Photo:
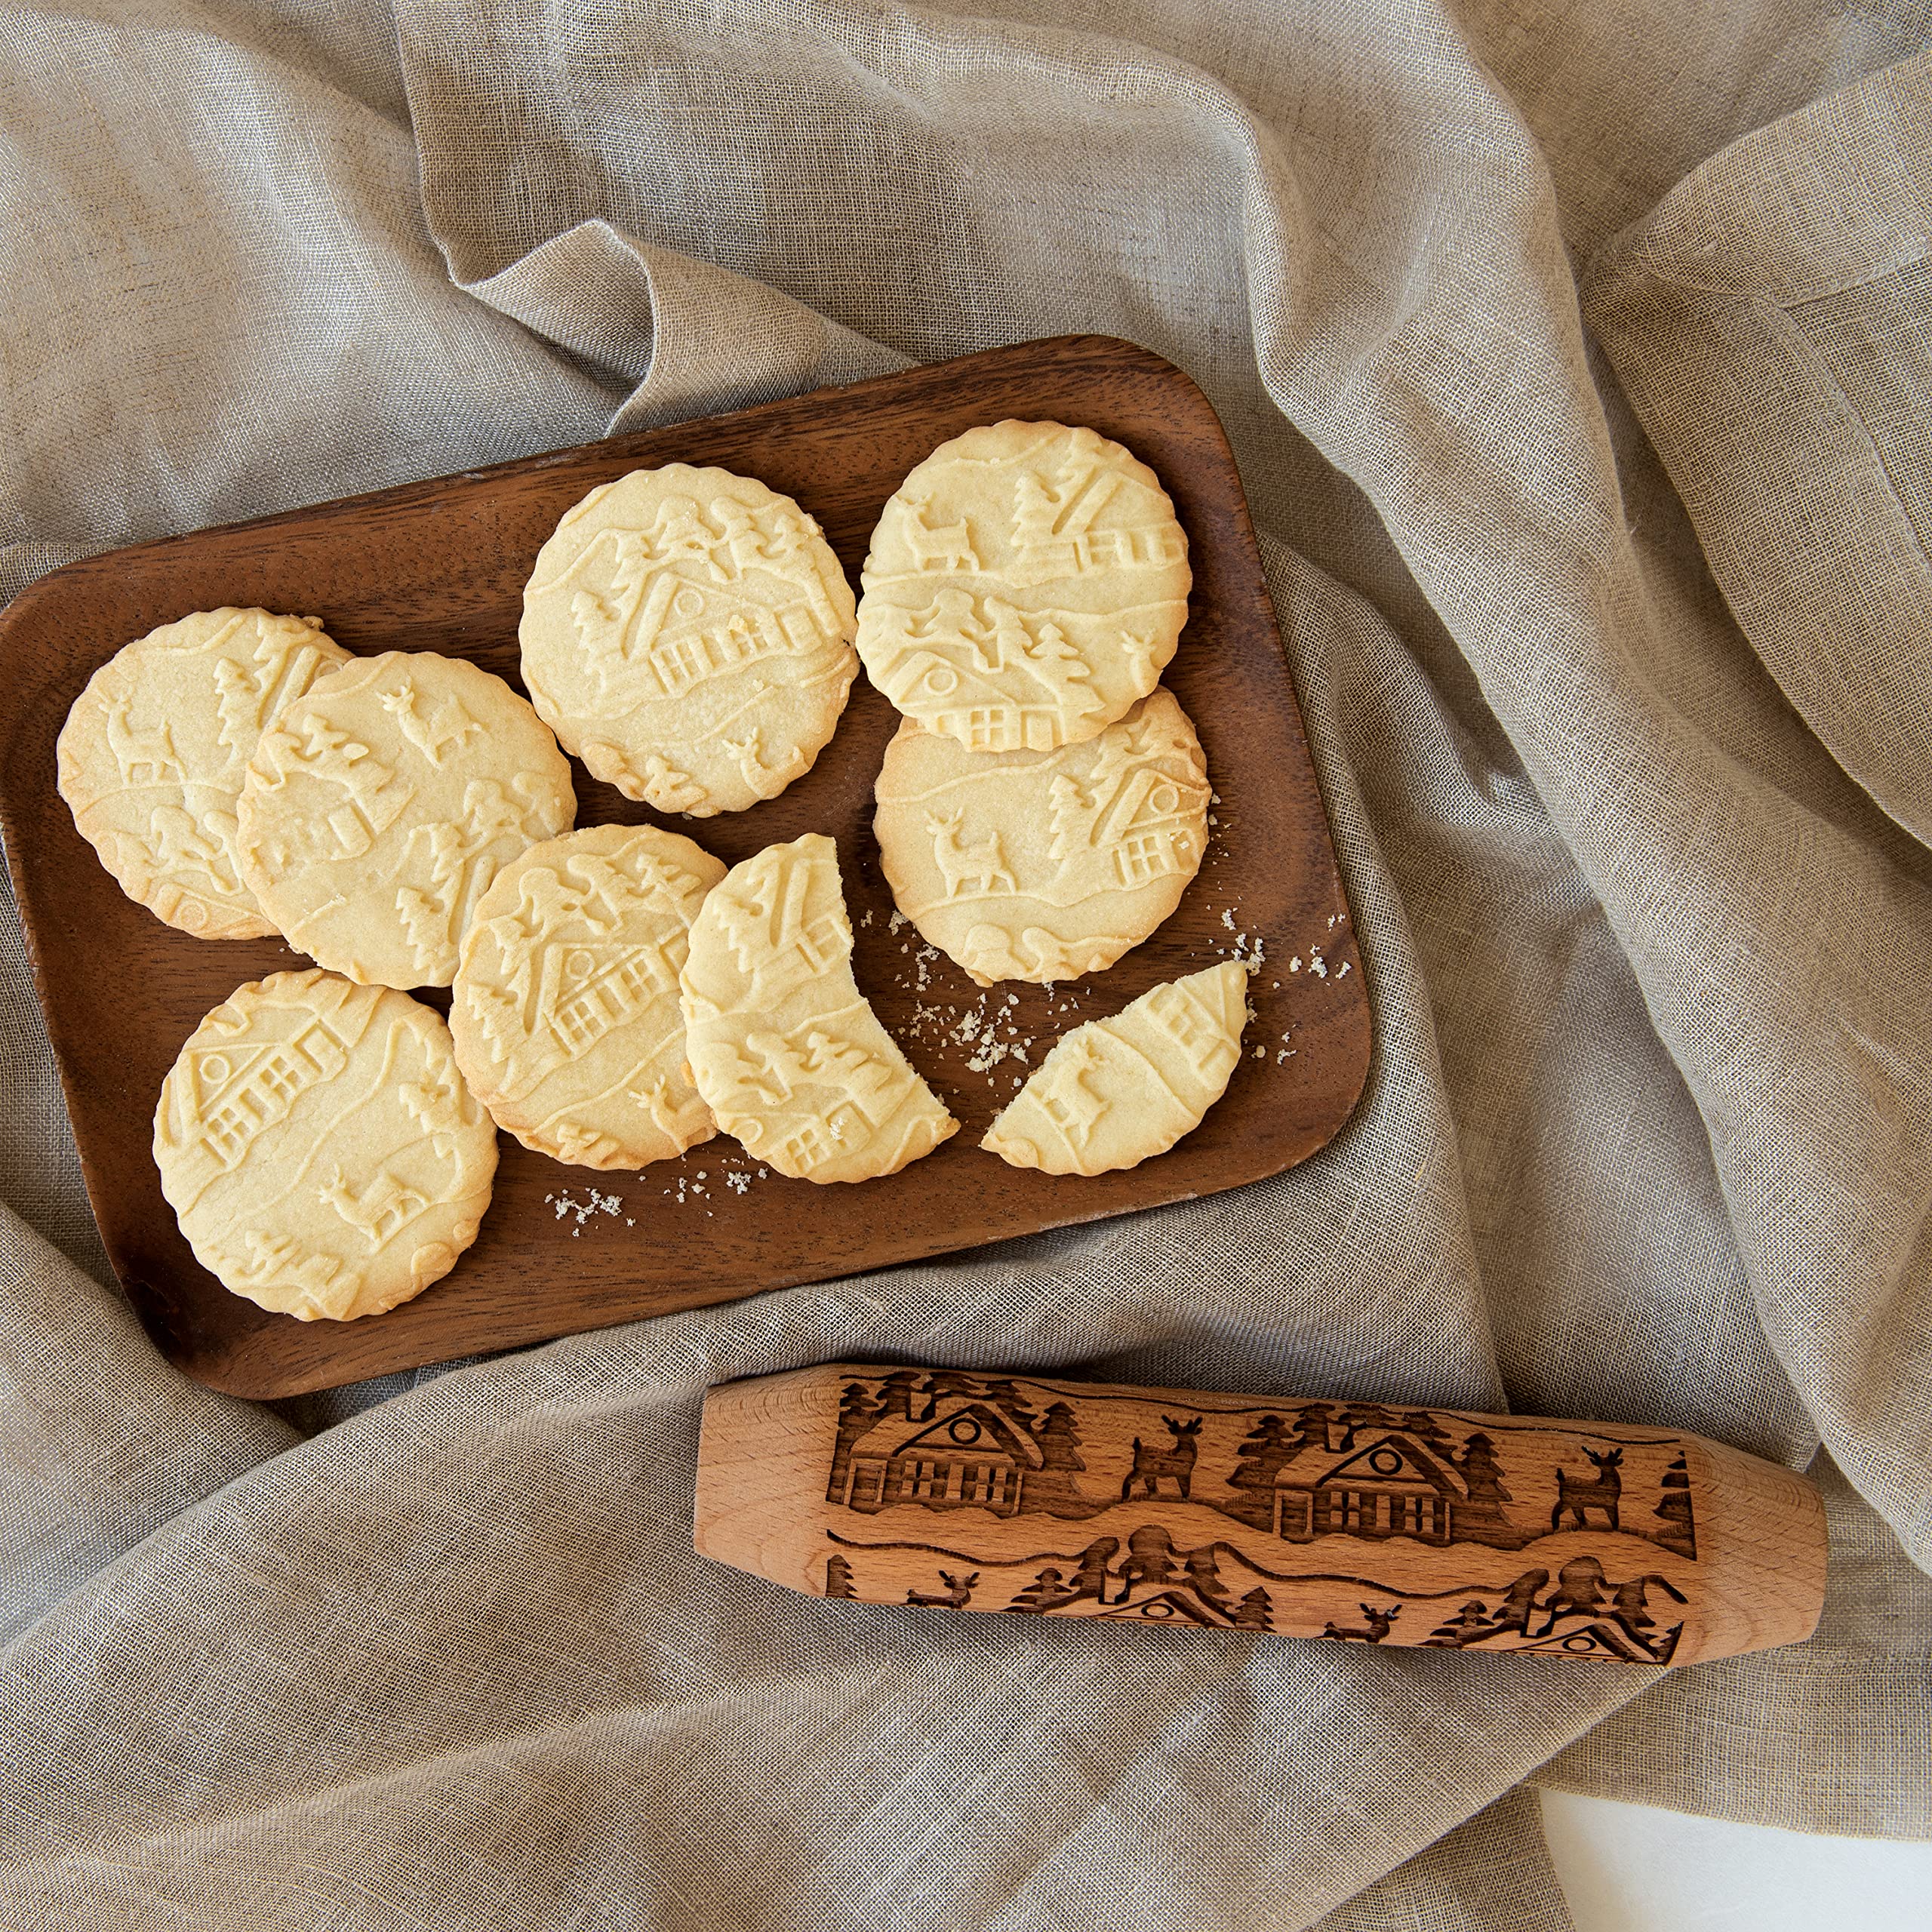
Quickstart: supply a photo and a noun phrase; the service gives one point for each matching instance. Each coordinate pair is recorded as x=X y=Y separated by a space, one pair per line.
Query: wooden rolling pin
x=1355 y=1522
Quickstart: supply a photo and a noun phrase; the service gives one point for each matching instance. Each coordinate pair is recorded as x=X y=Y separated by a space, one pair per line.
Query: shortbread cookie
x=784 y=1051
x=565 y=1009
x=1027 y=585
x=1116 y=1092
x=319 y=1148
x=1044 y=865
x=688 y=633
x=151 y=756
x=378 y=808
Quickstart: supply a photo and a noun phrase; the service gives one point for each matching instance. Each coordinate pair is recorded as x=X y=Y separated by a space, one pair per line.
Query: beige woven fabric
x=1632 y=859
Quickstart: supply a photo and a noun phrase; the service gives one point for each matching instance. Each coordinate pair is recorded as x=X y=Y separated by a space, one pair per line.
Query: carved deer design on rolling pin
x=1578 y=1497
x=1150 y=1465
x=1380 y=1623
x=957 y=1593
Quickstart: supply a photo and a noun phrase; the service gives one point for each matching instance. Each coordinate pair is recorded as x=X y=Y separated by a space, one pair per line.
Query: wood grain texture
x=1352 y=1522
x=440 y=566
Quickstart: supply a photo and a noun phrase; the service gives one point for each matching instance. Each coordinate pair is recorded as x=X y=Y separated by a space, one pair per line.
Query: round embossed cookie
x=1116 y=1092
x=783 y=1046
x=319 y=1148
x=151 y=756
x=378 y=807
x=1027 y=584
x=565 y=1009
x=688 y=633
x=1044 y=865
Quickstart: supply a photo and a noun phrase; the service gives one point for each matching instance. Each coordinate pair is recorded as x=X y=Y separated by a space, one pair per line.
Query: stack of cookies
x=617 y=995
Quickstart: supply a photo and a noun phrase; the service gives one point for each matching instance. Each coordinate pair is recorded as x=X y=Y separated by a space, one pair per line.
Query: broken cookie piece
x=1116 y=1092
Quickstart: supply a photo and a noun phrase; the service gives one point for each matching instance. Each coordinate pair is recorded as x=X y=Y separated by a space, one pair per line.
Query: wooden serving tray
x=441 y=566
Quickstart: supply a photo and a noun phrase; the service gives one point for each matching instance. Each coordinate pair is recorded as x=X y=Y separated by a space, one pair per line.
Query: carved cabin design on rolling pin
x=1342 y=1521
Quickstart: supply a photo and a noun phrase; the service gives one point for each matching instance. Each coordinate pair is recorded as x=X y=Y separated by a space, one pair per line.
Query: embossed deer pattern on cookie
x=378 y=810
x=1030 y=866
x=1271 y=1515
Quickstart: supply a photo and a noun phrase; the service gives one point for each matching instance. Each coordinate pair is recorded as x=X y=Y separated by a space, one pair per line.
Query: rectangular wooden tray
x=441 y=566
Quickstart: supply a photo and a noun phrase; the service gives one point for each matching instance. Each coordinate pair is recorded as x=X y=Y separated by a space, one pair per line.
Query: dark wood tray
x=441 y=566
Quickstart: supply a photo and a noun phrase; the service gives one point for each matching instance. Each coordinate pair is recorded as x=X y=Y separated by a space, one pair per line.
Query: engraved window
x=928 y=1481
x=982 y=1482
x=1181 y=1020
x=576 y=1026
x=817 y=944
x=680 y=661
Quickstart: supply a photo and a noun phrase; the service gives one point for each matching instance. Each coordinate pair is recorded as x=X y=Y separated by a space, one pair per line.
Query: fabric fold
x=1767 y=321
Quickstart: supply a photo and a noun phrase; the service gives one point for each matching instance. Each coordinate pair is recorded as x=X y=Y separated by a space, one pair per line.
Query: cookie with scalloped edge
x=319 y=1148
x=378 y=806
x=565 y=1010
x=151 y=757
x=688 y=633
x=1116 y=1092
x=784 y=1048
x=1027 y=586
x=1044 y=865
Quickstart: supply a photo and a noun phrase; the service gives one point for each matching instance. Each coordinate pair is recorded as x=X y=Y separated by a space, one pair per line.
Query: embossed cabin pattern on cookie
x=301 y=1067
x=228 y=1094
x=1077 y=589
x=567 y=1014
x=688 y=632
x=574 y=975
x=706 y=590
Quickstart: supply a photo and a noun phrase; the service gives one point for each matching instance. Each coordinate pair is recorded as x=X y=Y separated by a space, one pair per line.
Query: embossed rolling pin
x=1350 y=1522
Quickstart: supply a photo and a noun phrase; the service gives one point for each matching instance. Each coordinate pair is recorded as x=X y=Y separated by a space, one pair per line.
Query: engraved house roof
x=977 y=1430
x=1392 y=1461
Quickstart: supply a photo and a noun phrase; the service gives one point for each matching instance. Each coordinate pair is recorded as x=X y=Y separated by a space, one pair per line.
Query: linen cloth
x=1634 y=843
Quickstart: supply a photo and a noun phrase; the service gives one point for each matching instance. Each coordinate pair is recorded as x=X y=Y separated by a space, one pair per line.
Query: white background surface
x=1627 y=1867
